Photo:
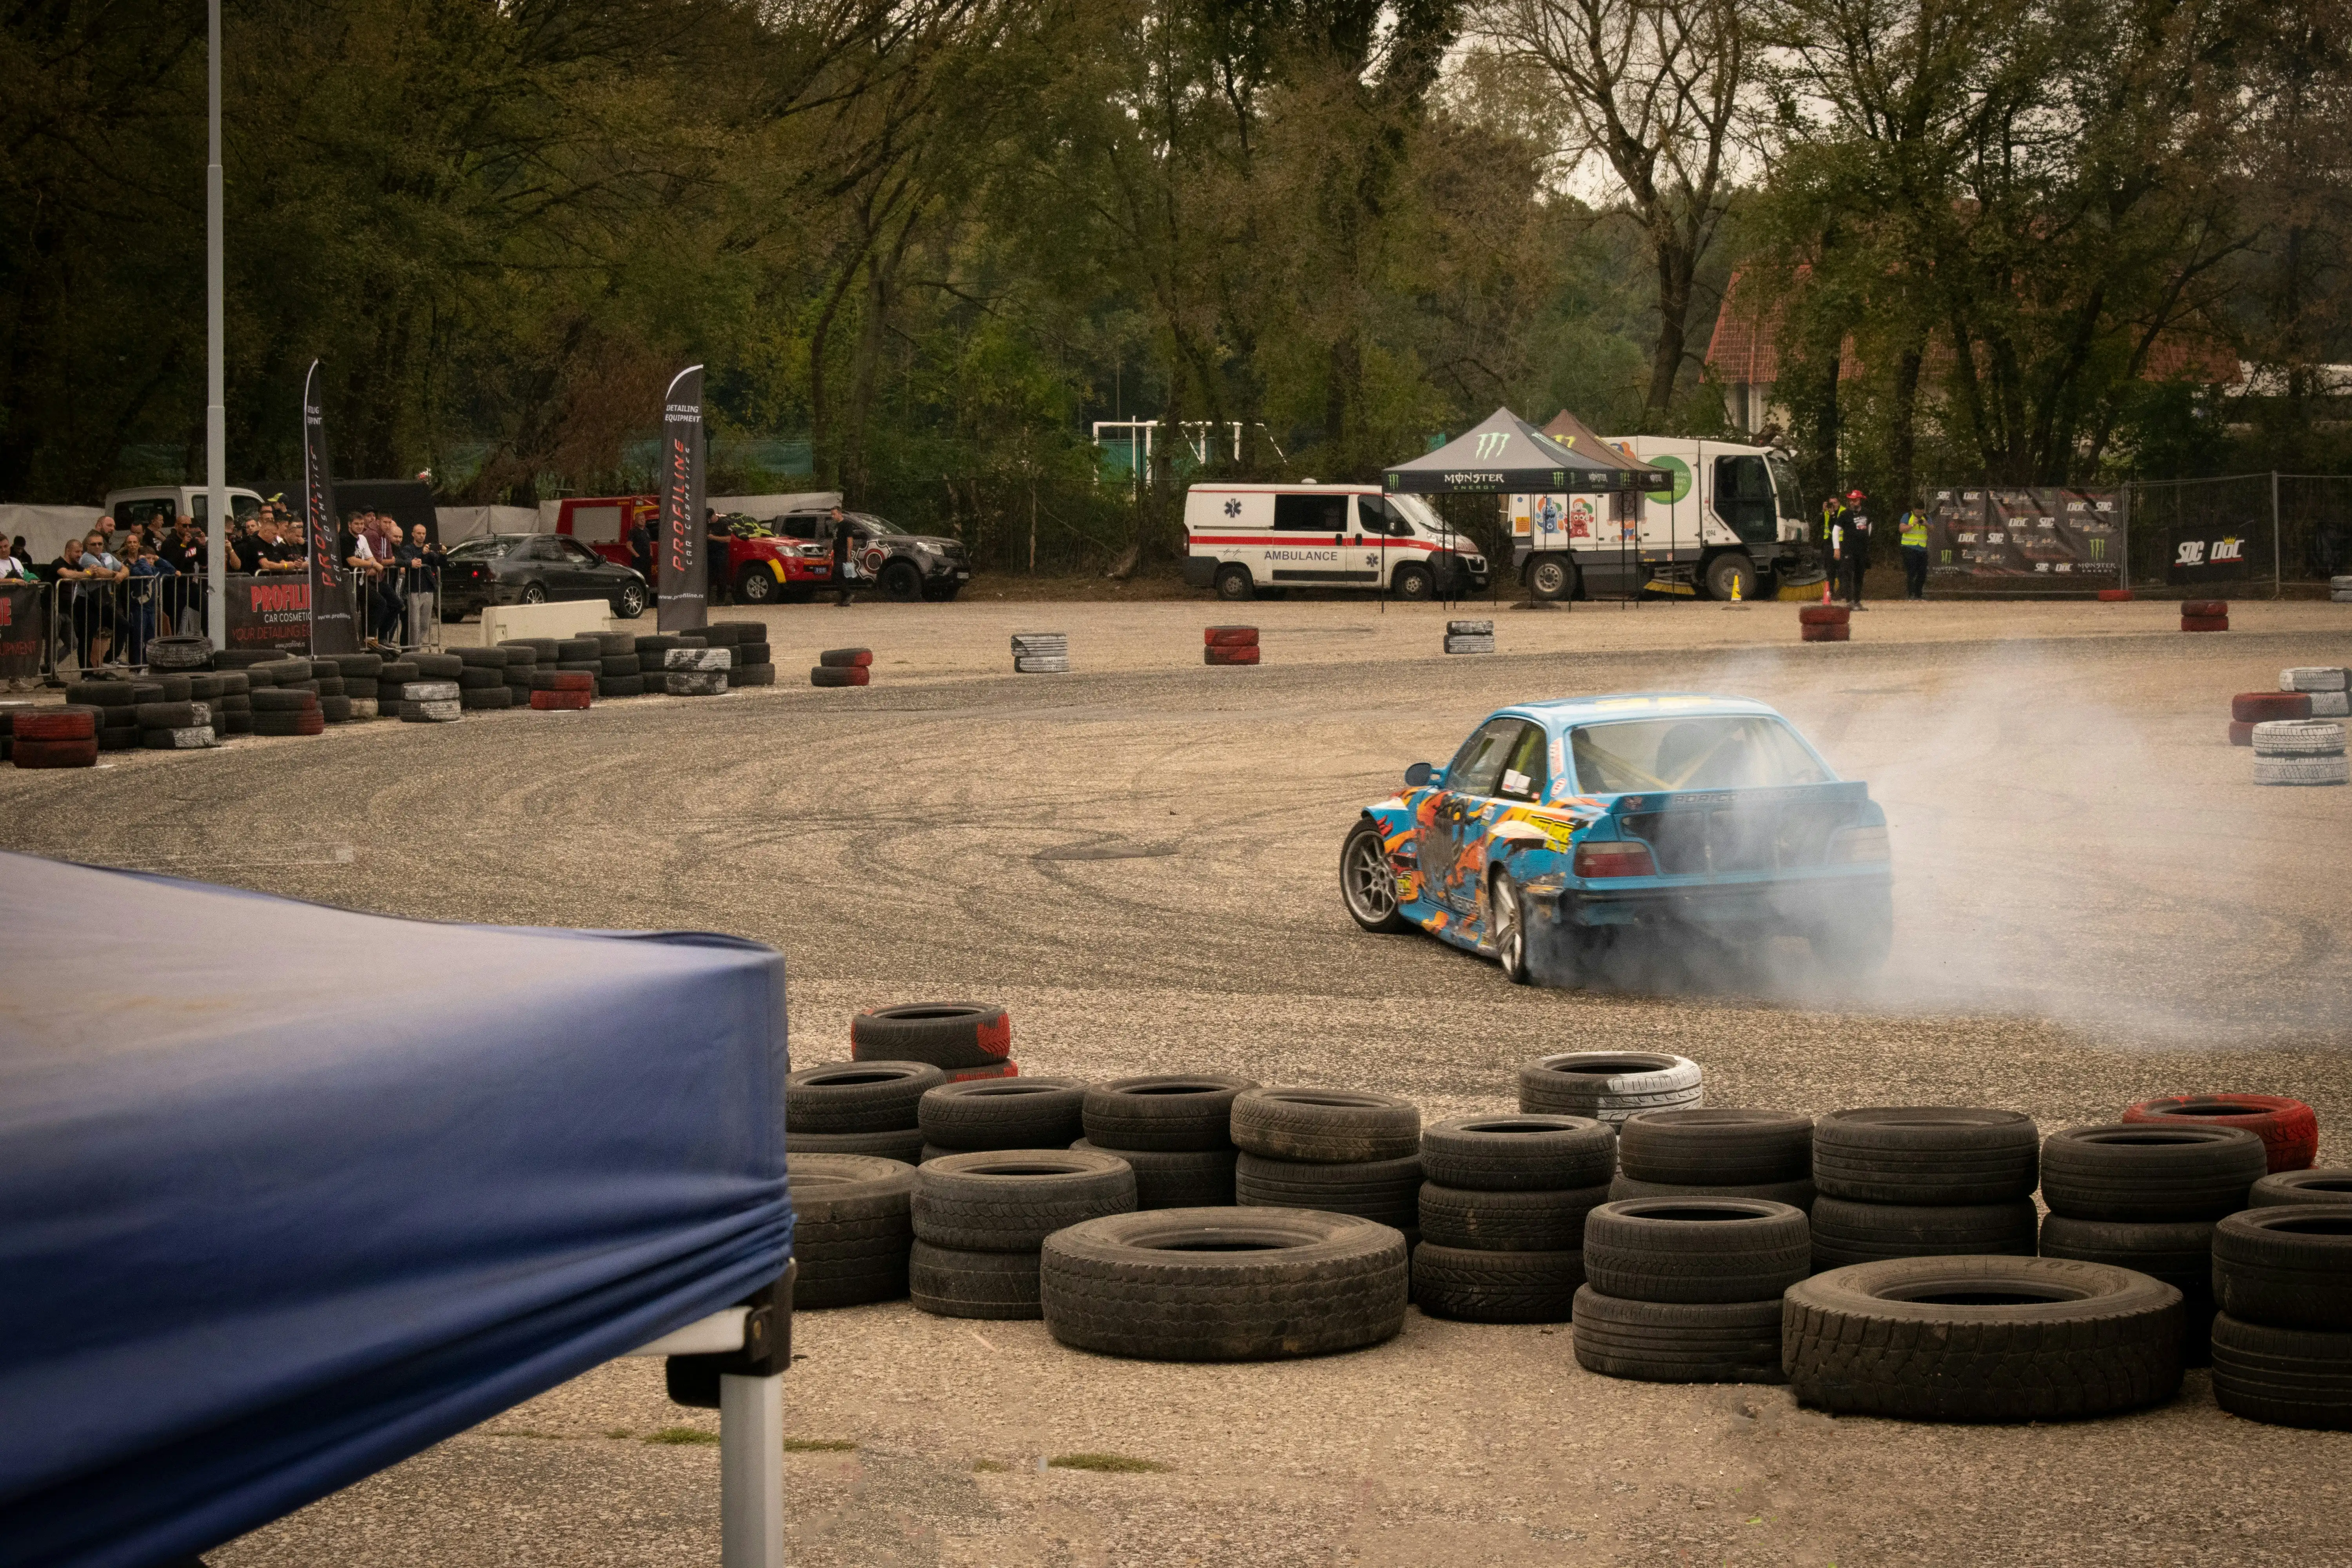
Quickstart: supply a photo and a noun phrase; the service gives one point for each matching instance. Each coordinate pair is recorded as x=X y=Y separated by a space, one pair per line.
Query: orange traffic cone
x=1825 y=590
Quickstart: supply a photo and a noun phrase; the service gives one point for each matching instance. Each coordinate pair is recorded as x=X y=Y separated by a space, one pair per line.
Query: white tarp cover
x=47 y=528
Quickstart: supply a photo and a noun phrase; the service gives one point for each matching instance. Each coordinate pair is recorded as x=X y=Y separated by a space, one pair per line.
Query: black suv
x=891 y=560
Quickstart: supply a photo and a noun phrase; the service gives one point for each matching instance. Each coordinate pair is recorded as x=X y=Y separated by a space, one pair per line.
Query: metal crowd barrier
x=84 y=625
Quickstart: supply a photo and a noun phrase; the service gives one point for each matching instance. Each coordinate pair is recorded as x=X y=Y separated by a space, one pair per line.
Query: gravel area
x=2094 y=904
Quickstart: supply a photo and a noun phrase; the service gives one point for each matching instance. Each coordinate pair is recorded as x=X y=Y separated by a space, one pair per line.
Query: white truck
x=1734 y=518
x=1243 y=540
x=125 y=508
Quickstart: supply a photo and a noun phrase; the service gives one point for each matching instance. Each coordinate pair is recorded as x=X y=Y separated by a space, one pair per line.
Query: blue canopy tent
x=293 y=1193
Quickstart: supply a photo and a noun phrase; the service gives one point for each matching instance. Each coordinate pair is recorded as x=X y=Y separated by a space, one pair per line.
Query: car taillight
x=1614 y=857
x=1854 y=845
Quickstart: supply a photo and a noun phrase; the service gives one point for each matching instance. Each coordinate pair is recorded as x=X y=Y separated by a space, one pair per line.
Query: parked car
x=535 y=569
x=1247 y=540
x=127 y=506
x=1561 y=829
x=895 y=563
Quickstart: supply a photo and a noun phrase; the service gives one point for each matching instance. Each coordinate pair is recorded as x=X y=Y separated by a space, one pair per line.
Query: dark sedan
x=535 y=569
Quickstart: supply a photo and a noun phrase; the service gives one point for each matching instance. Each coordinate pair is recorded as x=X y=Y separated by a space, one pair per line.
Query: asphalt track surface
x=2094 y=904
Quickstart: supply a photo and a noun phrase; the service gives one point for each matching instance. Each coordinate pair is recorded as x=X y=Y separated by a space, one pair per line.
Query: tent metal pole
x=216 y=379
x=751 y=1471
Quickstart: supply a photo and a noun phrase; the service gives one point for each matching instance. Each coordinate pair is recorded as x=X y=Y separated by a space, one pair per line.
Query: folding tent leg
x=751 y=1471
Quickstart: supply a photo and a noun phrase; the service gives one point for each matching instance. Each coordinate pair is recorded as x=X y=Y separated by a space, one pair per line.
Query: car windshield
x=873 y=524
x=487 y=548
x=1691 y=753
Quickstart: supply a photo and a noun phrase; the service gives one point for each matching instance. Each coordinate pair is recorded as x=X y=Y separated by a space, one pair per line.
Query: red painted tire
x=1229 y=654
x=2205 y=606
x=1229 y=636
x=845 y=657
x=956 y=1037
x=2115 y=596
x=73 y=724
x=2204 y=623
x=2242 y=732
x=554 y=701
x=840 y=675
x=1826 y=633
x=2254 y=706
x=562 y=680
x=1002 y=1069
x=55 y=753
x=2286 y=1127
x=1824 y=616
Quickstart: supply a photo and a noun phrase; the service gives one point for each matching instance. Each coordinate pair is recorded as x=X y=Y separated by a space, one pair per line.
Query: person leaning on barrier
x=146 y=569
x=280 y=554
x=76 y=597
x=367 y=573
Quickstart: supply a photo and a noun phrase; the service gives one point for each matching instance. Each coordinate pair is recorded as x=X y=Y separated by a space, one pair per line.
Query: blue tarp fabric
x=288 y=1194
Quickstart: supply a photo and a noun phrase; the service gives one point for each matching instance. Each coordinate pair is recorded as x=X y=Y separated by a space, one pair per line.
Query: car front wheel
x=1413 y=584
x=1368 y=883
x=1507 y=922
x=755 y=585
x=901 y=583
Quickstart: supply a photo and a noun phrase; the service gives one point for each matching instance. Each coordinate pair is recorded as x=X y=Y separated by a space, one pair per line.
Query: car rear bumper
x=1820 y=898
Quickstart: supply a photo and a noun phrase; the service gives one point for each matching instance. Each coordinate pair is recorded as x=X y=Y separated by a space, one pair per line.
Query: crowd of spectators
x=117 y=590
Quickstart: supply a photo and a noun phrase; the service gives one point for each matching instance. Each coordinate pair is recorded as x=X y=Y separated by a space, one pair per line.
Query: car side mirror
x=1419 y=774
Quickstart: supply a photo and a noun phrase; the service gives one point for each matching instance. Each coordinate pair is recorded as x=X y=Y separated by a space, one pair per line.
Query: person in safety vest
x=1857 y=548
x=1915 y=550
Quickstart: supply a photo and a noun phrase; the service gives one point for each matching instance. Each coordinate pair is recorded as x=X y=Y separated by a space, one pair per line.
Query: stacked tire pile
x=2204 y=615
x=431 y=697
x=1610 y=1086
x=983 y=1115
x=746 y=642
x=361 y=675
x=2248 y=708
x=54 y=738
x=184 y=725
x=482 y=679
x=980 y=1221
x=1717 y=1154
x=233 y=709
x=2146 y=1195
x=1229 y=645
x=1687 y=1290
x=853 y=1228
x=2324 y=684
x=2339 y=589
x=1209 y=1284
x=1923 y=1181
x=655 y=647
x=620 y=668
x=522 y=661
x=284 y=697
x=115 y=703
x=580 y=655
x=2300 y=752
x=842 y=667
x=186 y=654
x=965 y=1040
x=1502 y=1215
x=1175 y=1132
x=9 y=711
x=1041 y=653
x=868 y=1107
x=1825 y=623
x=2283 y=1280
x=696 y=671
x=1333 y=1150
x=2288 y=1129
x=1469 y=637
x=562 y=690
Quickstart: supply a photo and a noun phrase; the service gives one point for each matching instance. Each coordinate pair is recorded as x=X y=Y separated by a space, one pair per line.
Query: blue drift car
x=1562 y=831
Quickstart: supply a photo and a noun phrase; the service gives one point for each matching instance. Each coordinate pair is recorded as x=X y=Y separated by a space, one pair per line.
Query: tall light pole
x=216 y=381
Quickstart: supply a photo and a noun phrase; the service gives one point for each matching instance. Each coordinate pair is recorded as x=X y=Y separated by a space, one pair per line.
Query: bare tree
x=1655 y=90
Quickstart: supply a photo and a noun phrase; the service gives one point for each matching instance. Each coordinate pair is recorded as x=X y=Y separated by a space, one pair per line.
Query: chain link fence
x=2293 y=531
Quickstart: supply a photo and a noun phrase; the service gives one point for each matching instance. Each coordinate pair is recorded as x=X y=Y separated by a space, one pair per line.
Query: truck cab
x=1243 y=540
x=1732 y=521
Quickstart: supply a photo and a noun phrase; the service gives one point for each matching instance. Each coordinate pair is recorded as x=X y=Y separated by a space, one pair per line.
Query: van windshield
x=1731 y=752
x=1419 y=512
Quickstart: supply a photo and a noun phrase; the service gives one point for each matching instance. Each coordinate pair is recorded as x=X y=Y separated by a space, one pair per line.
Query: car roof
x=1559 y=713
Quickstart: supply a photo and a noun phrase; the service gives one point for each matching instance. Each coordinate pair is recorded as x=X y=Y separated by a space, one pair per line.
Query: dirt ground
x=2094 y=904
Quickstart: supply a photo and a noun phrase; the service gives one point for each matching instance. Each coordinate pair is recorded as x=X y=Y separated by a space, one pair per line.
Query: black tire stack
x=858 y=1108
x=1609 y=1085
x=965 y=1039
x=853 y=1228
x=1175 y=1132
x=2283 y=1277
x=184 y=653
x=2146 y=1195
x=361 y=675
x=333 y=693
x=1502 y=1212
x=1923 y=1181
x=696 y=671
x=981 y=1219
x=746 y=642
x=181 y=726
x=583 y=655
x=285 y=695
x=1717 y=1154
x=1337 y=1151
x=115 y=705
x=620 y=668
x=525 y=654
x=985 y=1114
x=1687 y=1290
x=842 y=667
x=482 y=679
x=232 y=714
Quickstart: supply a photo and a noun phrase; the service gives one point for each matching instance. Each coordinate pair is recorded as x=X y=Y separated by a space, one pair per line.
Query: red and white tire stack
x=1229 y=645
x=557 y=690
x=842 y=667
x=2204 y=615
x=1825 y=623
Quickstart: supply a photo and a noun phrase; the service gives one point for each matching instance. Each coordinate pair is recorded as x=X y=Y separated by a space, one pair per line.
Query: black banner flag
x=683 y=568
x=326 y=604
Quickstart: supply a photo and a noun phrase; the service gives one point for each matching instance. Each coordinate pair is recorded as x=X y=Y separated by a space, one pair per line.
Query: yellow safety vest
x=1915 y=531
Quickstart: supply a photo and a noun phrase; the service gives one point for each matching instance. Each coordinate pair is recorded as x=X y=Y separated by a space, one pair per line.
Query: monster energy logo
x=2098 y=550
x=1491 y=442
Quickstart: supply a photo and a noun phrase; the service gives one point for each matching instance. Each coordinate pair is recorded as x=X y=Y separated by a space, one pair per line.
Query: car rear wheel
x=901 y=583
x=755 y=585
x=534 y=594
x=1367 y=883
x=1509 y=920
x=629 y=603
x=1233 y=583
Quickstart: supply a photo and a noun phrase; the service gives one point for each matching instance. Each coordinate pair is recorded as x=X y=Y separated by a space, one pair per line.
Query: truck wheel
x=1728 y=569
x=1367 y=884
x=1551 y=579
x=901 y=583
x=1413 y=584
x=1233 y=583
x=755 y=585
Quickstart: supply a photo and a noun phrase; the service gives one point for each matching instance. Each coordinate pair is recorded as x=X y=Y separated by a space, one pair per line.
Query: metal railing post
x=2278 y=576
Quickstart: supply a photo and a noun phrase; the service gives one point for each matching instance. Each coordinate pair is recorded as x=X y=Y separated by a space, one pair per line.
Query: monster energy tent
x=1503 y=454
x=294 y=1193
